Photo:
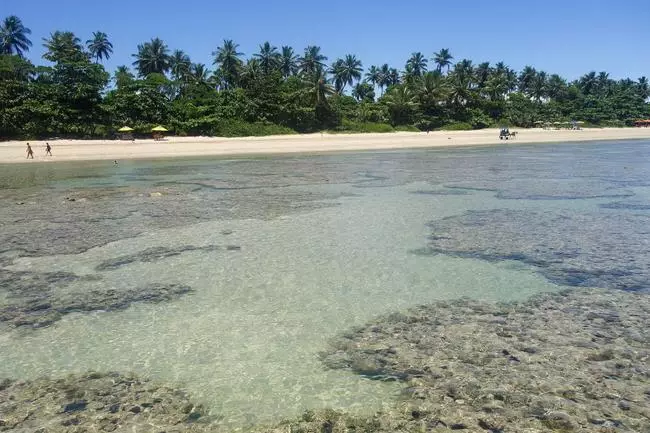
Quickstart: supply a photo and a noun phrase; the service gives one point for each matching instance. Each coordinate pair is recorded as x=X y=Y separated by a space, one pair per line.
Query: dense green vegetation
x=277 y=90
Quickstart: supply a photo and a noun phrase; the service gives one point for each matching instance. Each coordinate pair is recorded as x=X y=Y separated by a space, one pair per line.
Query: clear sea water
x=318 y=244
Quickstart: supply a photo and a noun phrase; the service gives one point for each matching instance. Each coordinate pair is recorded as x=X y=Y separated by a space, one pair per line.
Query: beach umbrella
x=125 y=129
x=159 y=129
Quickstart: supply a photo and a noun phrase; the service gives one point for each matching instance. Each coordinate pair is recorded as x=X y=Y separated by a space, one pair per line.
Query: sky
x=569 y=37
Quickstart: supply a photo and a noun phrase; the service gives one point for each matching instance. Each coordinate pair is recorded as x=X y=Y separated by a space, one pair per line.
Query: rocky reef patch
x=32 y=299
x=155 y=254
x=587 y=249
x=97 y=402
x=574 y=361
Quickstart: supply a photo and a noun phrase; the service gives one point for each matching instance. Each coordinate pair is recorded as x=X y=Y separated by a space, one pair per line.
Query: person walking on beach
x=30 y=152
x=48 y=149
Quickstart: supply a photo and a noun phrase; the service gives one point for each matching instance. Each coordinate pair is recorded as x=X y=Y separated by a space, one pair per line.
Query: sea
x=227 y=277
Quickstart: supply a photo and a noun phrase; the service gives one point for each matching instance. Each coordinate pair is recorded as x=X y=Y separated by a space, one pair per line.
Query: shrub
x=612 y=123
x=406 y=128
x=240 y=128
x=457 y=126
x=362 y=127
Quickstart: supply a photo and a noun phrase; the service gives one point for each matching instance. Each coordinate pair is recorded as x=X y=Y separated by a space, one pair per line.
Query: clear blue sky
x=569 y=37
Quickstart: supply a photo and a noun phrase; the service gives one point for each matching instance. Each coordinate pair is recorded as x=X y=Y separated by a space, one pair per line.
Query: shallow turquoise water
x=246 y=342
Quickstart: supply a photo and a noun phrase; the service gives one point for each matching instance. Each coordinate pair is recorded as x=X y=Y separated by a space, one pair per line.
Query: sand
x=70 y=150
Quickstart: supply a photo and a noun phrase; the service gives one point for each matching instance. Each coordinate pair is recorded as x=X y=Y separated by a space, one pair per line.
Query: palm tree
x=384 y=77
x=482 y=74
x=312 y=60
x=461 y=82
x=363 y=92
x=416 y=64
x=218 y=80
x=318 y=86
x=99 y=46
x=393 y=77
x=123 y=76
x=539 y=86
x=500 y=68
x=501 y=81
x=642 y=88
x=152 y=57
x=432 y=88
x=269 y=57
x=227 y=59
x=251 y=70
x=464 y=70
x=337 y=72
x=588 y=82
x=409 y=78
x=626 y=84
x=401 y=101
x=63 y=46
x=346 y=71
x=288 y=62
x=497 y=86
x=199 y=74
x=373 y=75
x=526 y=78
x=604 y=84
x=13 y=36
x=443 y=59
x=179 y=65
x=556 y=86
x=511 y=79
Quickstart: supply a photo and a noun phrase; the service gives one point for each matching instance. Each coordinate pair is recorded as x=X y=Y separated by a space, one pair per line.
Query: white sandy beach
x=70 y=150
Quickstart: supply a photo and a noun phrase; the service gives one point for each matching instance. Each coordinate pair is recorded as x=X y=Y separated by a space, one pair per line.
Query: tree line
x=279 y=90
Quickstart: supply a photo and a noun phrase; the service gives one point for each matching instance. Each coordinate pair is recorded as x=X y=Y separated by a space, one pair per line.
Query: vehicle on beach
x=506 y=134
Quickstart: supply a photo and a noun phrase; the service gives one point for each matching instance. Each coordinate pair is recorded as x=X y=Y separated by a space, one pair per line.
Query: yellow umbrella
x=125 y=129
x=159 y=129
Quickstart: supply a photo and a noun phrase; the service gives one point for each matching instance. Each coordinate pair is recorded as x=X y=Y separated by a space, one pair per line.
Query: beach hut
x=158 y=132
x=125 y=133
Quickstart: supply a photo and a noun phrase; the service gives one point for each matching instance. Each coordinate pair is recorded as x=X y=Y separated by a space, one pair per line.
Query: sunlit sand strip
x=70 y=150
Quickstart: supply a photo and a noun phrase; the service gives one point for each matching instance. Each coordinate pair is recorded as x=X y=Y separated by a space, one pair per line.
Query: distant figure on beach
x=30 y=152
x=115 y=162
x=48 y=149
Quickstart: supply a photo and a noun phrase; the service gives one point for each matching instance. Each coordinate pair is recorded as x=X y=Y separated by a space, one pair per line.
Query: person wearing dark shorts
x=30 y=152
x=48 y=149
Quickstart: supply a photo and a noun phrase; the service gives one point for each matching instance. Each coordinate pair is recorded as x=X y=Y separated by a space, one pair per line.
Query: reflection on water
x=281 y=254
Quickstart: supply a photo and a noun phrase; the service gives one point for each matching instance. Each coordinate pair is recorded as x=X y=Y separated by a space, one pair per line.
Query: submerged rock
x=525 y=372
x=153 y=255
x=586 y=250
x=97 y=402
x=36 y=299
